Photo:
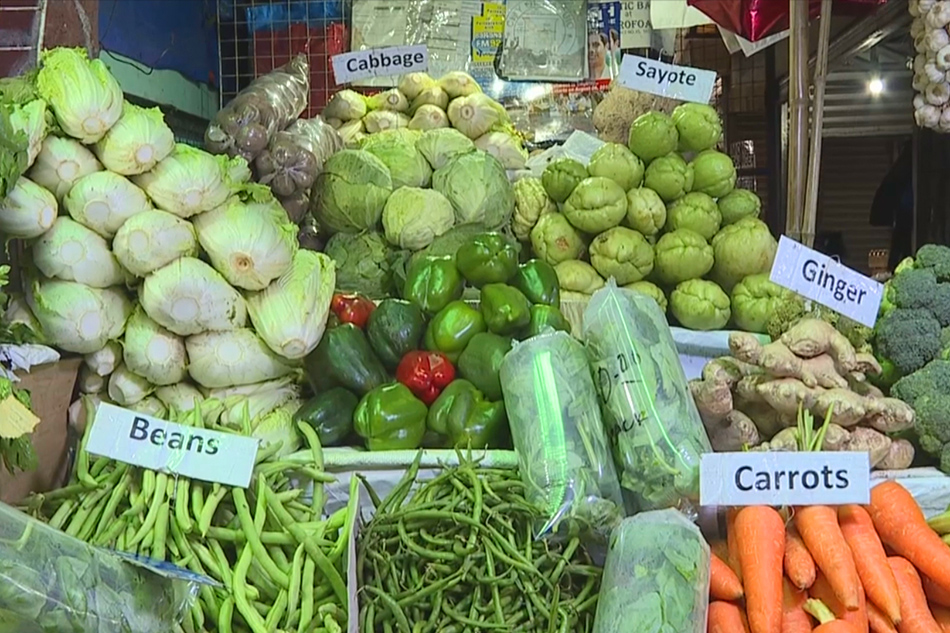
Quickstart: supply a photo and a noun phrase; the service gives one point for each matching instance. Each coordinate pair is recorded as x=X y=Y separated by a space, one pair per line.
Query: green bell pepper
x=543 y=317
x=433 y=282
x=390 y=418
x=537 y=280
x=505 y=308
x=463 y=415
x=489 y=258
x=451 y=329
x=480 y=363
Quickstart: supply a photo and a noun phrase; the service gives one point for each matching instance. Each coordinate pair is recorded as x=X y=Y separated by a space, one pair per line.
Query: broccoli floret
x=784 y=316
x=934 y=378
x=913 y=289
x=908 y=338
x=857 y=334
x=936 y=257
x=940 y=304
x=928 y=392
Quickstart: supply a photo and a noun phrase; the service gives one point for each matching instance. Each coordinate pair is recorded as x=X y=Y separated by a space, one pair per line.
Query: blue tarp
x=282 y=14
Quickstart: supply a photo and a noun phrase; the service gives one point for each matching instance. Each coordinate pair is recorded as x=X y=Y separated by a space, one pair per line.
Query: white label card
x=380 y=62
x=784 y=478
x=141 y=440
x=667 y=80
x=818 y=277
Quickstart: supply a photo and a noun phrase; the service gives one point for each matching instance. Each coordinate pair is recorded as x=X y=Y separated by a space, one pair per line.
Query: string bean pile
x=459 y=555
x=280 y=564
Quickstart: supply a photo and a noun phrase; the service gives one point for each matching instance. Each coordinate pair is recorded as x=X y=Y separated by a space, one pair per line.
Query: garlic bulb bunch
x=931 y=32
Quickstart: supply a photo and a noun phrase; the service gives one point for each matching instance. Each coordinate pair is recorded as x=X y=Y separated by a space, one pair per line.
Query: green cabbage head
x=83 y=94
x=561 y=176
x=413 y=217
x=652 y=135
x=645 y=211
x=713 y=173
x=754 y=299
x=397 y=149
x=680 y=255
x=670 y=176
x=699 y=304
x=695 y=211
x=623 y=254
x=441 y=145
x=351 y=192
x=364 y=263
x=742 y=249
x=477 y=186
x=698 y=125
x=738 y=204
x=618 y=163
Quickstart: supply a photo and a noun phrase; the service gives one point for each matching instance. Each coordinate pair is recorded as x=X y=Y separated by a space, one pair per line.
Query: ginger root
x=713 y=400
x=745 y=346
x=810 y=337
x=785 y=440
x=729 y=370
x=836 y=438
x=900 y=455
x=785 y=395
x=876 y=444
x=889 y=415
x=848 y=408
x=734 y=432
x=766 y=419
x=823 y=369
x=867 y=364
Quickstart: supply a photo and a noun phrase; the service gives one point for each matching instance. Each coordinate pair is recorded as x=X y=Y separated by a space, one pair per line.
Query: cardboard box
x=51 y=387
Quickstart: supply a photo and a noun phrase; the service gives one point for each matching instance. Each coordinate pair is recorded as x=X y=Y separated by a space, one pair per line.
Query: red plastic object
x=275 y=48
x=756 y=19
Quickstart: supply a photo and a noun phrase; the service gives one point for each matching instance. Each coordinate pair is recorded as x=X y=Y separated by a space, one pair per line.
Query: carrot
x=720 y=548
x=732 y=543
x=879 y=622
x=835 y=626
x=799 y=565
x=870 y=560
x=942 y=616
x=827 y=621
x=760 y=538
x=818 y=526
x=723 y=583
x=724 y=617
x=915 y=613
x=794 y=618
x=901 y=525
x=823 y=591
x=935 y=593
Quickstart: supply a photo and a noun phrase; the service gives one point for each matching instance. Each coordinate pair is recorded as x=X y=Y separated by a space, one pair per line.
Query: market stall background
x=818 y=361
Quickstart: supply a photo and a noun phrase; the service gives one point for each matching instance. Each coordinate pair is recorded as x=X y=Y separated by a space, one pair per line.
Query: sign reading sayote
x=667 y=80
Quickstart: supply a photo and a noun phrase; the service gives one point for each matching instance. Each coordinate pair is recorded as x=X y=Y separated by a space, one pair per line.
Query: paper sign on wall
x=141 y=440
x=818 y=277
x=380 y=62
x=667 y=80
x=774 y=479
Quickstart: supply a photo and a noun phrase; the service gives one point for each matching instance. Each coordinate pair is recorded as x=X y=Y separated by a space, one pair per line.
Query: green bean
x=296 y=577
x=392 y=606
x=254 y=541
x=276 y=611
x=226 y=615
x=182 y=489
x=218 y=492
x=306 y=590
x=197 y=500
x=253 y=619
x=161 y=529
x=319 y=496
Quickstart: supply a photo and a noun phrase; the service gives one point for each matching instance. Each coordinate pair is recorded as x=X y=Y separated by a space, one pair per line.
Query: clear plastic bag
x=295 y=156
x=59 y=584
x=557 y=431
x=649 y=413
x=246 y=125
x=656 y=579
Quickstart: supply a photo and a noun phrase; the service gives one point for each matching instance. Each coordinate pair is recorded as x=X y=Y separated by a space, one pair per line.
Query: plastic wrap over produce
x=295 y=157
x=649 y=413
x=246 y=125
x=656 y=577
x=56 y=583
x=563 y=452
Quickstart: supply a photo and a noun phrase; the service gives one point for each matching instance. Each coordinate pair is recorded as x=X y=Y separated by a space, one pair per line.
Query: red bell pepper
x=353 y=309
x=426 y=374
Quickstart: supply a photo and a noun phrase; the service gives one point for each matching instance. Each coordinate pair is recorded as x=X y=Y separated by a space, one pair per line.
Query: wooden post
x=797 y=158
x=817 y=119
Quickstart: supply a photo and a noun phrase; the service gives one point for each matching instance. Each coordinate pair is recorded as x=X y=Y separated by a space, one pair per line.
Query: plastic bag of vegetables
x=295 y=156
x=556 y=428
x=247 y=124
x=57 y=583
x=648 y=410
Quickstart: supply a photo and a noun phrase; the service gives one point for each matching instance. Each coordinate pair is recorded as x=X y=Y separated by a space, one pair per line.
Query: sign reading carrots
x=792 y=478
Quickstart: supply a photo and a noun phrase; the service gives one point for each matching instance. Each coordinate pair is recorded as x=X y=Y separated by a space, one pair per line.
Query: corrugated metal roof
x=850 y=110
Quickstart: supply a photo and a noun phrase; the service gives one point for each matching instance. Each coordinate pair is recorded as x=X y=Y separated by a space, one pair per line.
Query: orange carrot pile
x=828 y=570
